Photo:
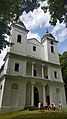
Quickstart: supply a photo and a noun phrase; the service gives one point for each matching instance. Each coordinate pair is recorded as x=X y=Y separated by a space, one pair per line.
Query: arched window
x=19 y=38
x=57 y=90
x=14 y=86
x=52 y=49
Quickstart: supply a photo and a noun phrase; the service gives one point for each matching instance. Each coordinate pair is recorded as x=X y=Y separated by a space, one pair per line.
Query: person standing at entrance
x=60 y=105
x=39 y=105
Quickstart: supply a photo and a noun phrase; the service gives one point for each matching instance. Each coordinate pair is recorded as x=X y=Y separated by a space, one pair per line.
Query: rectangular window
x=52 y=49
x=34 y=72
x=0 y=87
x=34 y=48
x=19 y=38
x=55 y=74
x=16 y=67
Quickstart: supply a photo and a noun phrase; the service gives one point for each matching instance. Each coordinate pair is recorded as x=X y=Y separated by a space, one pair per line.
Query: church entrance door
x=36 y=97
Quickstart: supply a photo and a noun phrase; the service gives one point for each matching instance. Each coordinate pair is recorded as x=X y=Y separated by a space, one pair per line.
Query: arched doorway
x=47 y=94
x=36 y=96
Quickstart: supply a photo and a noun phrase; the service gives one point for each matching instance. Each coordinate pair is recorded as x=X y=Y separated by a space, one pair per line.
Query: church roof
x=34 y=39
x=20 y=24
x=49 y=36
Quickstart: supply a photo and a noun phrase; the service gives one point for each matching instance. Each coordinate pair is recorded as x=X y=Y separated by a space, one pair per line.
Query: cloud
x=44 y=3
x=60 y=32
x=33 y=35
x=40 y=20
x=36 y=19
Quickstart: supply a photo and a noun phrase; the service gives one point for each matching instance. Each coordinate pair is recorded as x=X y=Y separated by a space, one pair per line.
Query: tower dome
x=20 y=23
x=48 y=36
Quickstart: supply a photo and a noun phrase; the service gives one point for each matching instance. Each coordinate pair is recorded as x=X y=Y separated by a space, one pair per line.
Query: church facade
x=31 y=72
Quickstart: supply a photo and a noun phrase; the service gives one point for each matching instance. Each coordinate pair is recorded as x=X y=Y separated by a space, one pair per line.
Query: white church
x=31 y=72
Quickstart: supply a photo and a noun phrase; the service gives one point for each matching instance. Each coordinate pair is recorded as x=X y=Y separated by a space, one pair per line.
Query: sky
x=37 y=22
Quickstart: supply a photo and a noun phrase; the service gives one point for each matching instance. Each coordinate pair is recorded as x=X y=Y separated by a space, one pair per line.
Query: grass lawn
x=36 y=115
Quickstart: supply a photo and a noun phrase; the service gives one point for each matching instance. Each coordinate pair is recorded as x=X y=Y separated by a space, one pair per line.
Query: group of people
x=49 y=107
x=52 y=106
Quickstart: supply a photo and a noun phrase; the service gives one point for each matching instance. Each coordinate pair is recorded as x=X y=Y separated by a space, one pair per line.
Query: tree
x=10 y=10
x=63 y=62
x=58 y=11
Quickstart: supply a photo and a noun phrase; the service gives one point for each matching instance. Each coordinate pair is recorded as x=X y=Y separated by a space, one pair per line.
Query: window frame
x=19 y=38
x=55 y=74
x=0 y=87
x=52 y=49
x=34 y=48
x=16 y=67
x=35 y=72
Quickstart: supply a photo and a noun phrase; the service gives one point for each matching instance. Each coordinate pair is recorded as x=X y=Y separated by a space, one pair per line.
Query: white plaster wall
x=53 y=95
x=29 y=69
x=28 y=94
x=45 y=51
x=48 y=56
x=21 y=94
x=39 y=49
x=53 y=57
x=2 y=91
x=59 y=76
x=22 y=67
x=18 y=48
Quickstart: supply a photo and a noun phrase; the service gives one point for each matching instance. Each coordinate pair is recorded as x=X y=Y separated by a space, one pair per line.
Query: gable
x=34 y=41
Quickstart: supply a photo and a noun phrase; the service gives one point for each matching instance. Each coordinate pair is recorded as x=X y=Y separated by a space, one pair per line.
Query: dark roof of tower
x=20 y=24
x=49 y=36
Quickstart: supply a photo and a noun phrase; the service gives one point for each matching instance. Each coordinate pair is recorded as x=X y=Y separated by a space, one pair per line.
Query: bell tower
x=50 y=48
x=18 y=38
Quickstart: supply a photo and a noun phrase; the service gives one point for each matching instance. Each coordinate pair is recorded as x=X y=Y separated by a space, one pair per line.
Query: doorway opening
x=36 y=97
x=48 y=99
x=47 y=94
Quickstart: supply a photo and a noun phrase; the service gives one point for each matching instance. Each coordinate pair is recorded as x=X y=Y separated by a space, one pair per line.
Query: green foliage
x=10 y=10
x=63 y=62
x=58 y=11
